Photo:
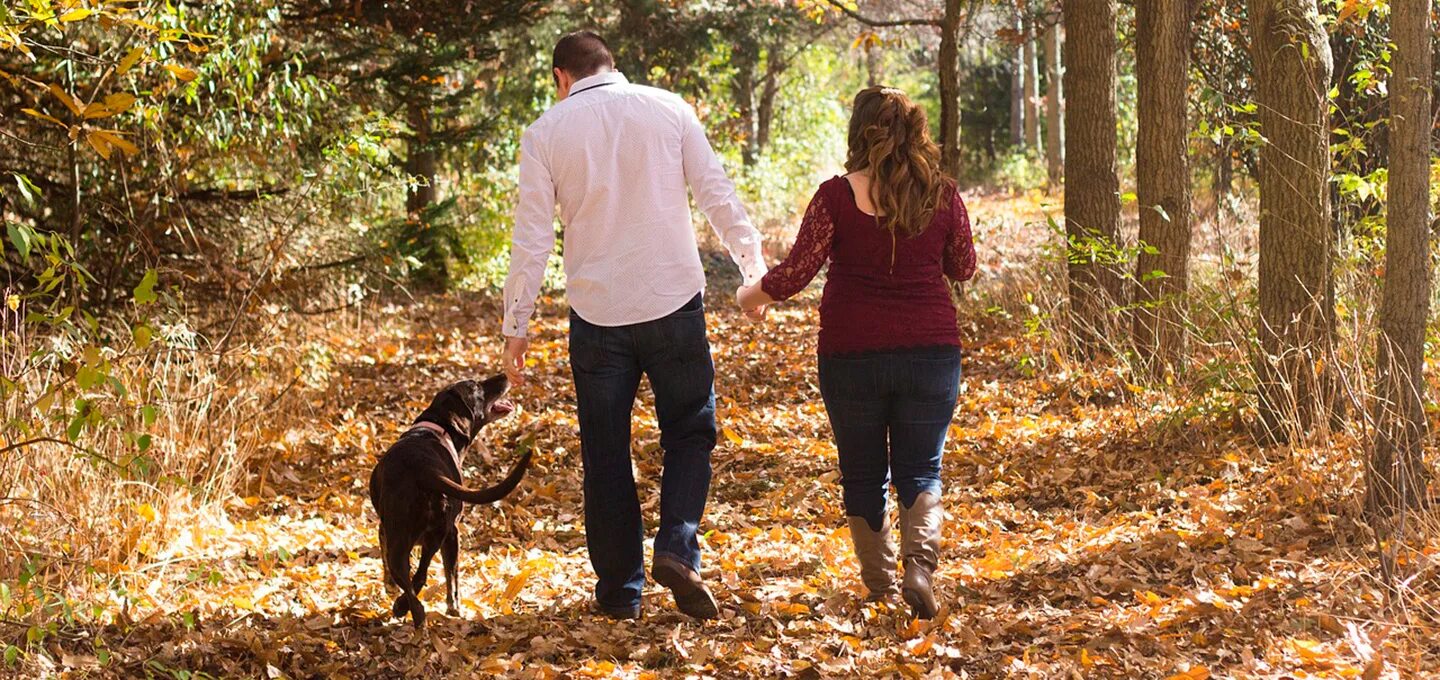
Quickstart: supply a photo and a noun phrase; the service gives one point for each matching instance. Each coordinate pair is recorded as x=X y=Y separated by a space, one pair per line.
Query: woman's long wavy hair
x=890 y=138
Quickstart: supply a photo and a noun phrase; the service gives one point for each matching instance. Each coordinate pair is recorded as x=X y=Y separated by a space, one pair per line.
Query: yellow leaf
x=117 y=102
x=516 y=584
x=43 y=116
x=242 y=602
x=113 y=138
x=146 y=512
x=734 y=438
x=180 y=72
x=100 y=143
x=923 y=646
x=251 y=501
x=75 y=15
x=131 y=58
x=66 y=99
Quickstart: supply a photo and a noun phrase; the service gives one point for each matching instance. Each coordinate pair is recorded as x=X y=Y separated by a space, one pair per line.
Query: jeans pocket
x=935 y=380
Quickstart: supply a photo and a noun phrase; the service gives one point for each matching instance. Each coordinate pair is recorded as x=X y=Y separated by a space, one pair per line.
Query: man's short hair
x=582 y=53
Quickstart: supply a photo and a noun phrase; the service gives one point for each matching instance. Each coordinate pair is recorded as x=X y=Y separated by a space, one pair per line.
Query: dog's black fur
x=418 y=493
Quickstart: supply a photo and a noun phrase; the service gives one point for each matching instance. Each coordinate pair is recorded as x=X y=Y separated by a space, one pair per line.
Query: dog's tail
x=453 y=489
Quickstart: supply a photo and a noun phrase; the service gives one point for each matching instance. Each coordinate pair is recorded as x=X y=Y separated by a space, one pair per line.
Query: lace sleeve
x=960 y=247
x=810 y=252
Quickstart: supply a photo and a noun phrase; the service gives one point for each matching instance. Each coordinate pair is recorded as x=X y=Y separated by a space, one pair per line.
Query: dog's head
x=469 y=405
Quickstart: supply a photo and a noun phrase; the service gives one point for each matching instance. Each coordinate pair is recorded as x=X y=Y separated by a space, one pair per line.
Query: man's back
x=617 y=158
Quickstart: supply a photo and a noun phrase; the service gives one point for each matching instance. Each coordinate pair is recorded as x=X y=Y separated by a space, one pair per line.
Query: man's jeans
x=607 y=363
x=890 y=412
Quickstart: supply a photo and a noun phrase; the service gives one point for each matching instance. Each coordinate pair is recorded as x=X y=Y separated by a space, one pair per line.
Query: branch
x=881 y=23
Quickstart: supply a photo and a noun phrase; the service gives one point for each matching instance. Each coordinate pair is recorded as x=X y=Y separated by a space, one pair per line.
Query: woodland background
x=246 y=241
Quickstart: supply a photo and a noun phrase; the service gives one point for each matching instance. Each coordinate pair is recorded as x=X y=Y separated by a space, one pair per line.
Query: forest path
x=1094 y=528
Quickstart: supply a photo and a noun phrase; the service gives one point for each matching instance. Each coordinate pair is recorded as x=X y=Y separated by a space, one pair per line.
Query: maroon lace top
x=882 y=292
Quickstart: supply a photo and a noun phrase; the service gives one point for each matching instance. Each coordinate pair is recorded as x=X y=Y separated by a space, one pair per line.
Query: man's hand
x=515 y=359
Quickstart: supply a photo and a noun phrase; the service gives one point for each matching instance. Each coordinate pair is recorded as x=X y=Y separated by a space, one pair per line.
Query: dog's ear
x=454 y=409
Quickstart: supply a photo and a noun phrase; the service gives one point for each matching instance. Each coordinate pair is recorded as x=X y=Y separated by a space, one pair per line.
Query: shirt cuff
x=514 y=328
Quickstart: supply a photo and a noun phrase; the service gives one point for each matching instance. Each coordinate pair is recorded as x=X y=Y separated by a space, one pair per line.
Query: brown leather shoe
x=691 y=595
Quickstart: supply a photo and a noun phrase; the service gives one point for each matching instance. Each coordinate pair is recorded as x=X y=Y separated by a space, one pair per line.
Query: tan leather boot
x=876 y=553
x=920 y=547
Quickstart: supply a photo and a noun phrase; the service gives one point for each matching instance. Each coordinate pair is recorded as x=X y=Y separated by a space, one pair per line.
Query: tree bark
x=1017 y=91
x=765 y=110
x=1292 y=67
x=1397 y=476
x=874 y=69
x=1032 y=89
x=1092 y=201
x=1162 y=174
x=745 y=56
x=420 y=167
x=950 y=88
x=1054 y=109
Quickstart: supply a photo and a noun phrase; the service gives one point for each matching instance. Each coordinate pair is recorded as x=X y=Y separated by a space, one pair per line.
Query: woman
x=892 y=229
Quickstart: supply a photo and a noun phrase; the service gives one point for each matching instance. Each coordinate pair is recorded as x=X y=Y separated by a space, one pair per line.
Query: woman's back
x=884 y=290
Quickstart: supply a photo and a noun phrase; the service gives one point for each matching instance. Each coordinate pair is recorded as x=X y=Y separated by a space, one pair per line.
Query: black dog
x=417 y=491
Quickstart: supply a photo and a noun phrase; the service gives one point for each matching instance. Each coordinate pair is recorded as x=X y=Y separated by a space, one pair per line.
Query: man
x=617 y=158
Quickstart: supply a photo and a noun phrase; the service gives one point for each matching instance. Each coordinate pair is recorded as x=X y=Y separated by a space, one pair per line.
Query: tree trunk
x=765 y=110
x=950 y=88
x=420 y=165
x=1054 y=109
x=1092 y=201
x=1292 y=68
x=874 y=69
x=1162 y=174
x=745 y=56
x=1017 y=92
x=1397 y=476
x=1032 y=89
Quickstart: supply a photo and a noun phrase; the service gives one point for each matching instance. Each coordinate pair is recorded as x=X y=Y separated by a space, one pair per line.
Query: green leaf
x=27 y=188
x=11 y=654
x=143 y=335
x=148 y=415
x=143 y=442
x=145 y=292
x=22 y=237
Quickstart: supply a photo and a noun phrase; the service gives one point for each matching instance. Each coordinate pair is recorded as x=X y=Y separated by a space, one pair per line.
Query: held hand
x=757 y=314
x=515 y=359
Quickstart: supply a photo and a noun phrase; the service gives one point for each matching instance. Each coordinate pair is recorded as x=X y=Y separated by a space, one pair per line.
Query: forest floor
x=1095 y=529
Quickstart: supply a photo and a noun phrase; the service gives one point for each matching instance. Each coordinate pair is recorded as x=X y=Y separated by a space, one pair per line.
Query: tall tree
x=952 y=26
x=1054 y=108
x=1291 y=54
x=1092 y=191
x=1017 y=89
x=1032 y=87
x=1162 y=177
x=1397 y=476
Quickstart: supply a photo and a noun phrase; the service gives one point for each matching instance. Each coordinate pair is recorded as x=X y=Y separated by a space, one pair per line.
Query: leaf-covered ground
x=1094 y=530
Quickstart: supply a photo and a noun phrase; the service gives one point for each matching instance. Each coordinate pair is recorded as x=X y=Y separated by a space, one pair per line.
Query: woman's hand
x=754 y=301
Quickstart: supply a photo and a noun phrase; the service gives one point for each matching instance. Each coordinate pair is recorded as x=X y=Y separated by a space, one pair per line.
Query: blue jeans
x=890 y=412
x=607 y=363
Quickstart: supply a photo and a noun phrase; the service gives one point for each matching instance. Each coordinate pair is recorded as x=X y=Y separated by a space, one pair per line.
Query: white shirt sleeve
x=715 y=195
x=532 y=239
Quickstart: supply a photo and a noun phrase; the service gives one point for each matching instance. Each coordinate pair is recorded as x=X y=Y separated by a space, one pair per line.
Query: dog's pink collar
x=443 y=435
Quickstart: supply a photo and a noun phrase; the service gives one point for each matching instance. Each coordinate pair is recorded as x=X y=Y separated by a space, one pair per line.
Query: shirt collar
x=606 y=78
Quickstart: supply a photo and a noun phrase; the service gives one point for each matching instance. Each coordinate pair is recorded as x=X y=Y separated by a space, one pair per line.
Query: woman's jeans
x=608 y=363
x=890 y=412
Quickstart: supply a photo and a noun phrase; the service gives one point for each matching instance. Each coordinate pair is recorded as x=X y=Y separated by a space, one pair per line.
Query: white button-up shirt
x=617 y=158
